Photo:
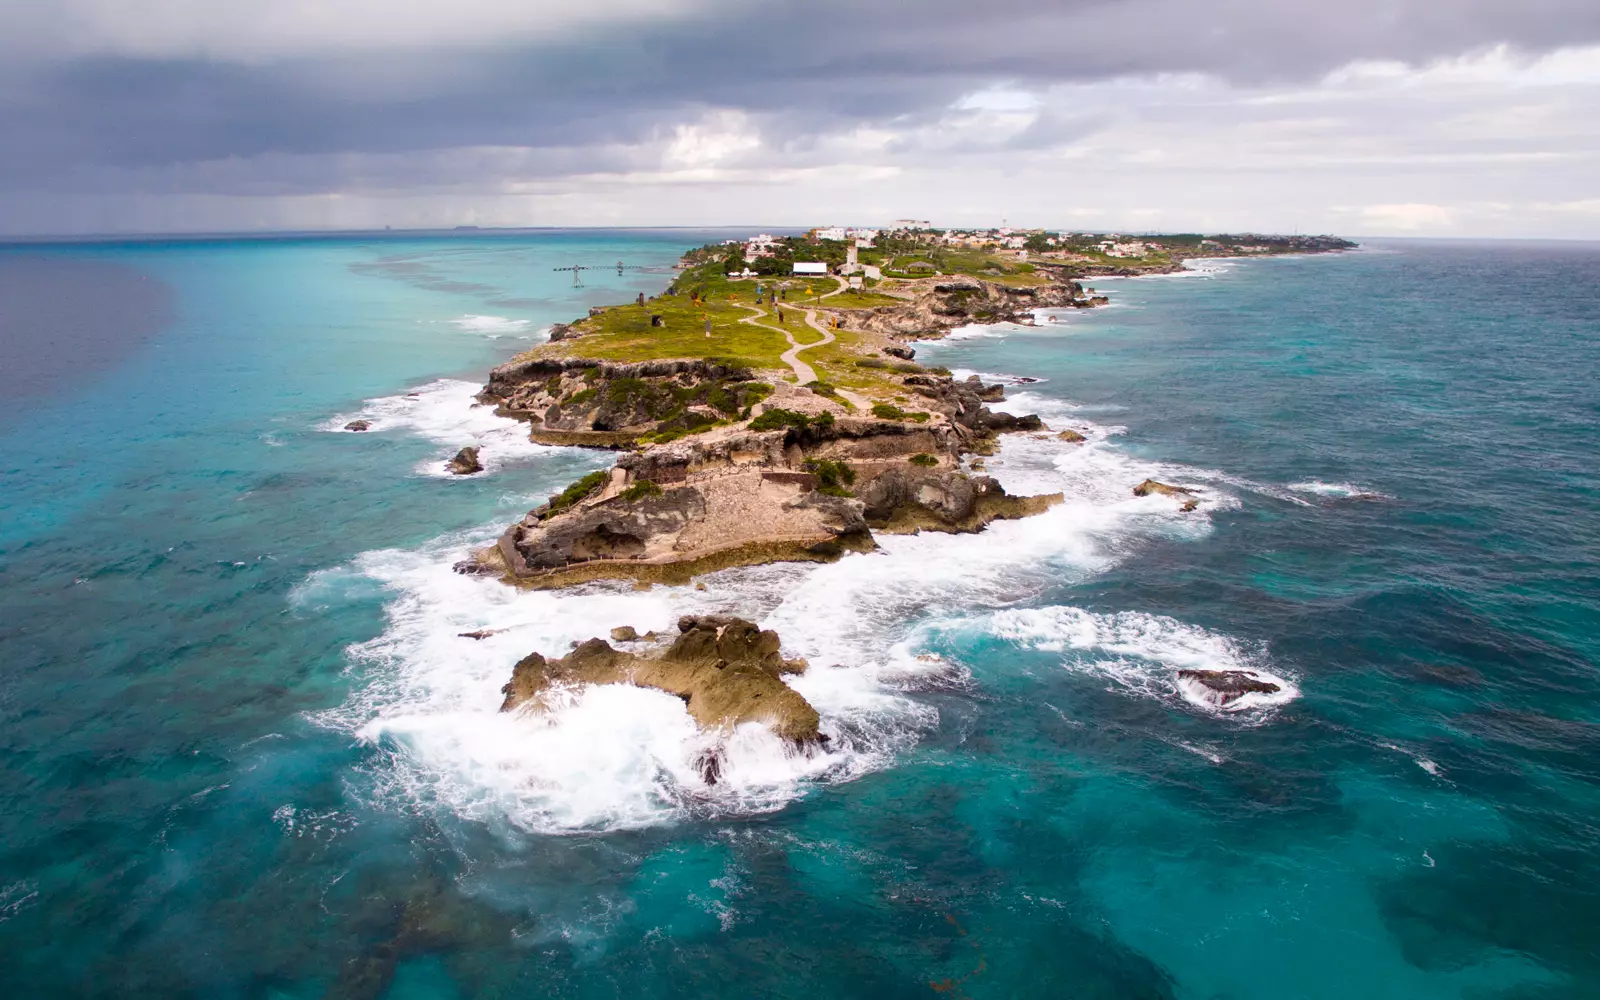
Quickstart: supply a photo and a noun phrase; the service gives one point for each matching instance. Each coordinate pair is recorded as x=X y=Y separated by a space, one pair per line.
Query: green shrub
x=888 y=411
x=872 y=363
x=777 y=418
x=579 y=490
x=720 y=398
x=580 y=397
x=925 y=460
x=624 y=389
x=833 y=477
x=691 y=423
x=640 y=490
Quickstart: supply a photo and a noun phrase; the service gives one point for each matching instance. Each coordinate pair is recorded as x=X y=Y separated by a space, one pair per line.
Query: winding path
x=804 y=373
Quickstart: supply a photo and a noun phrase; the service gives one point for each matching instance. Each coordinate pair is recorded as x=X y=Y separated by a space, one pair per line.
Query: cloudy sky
x=1361 y=117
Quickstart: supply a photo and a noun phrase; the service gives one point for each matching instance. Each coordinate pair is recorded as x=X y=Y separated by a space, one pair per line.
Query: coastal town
x=913 y=249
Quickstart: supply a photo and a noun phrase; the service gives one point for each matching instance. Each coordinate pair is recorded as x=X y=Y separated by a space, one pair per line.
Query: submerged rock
x=727 y=670
x=1072 y=437
x=465 y=463
x=358 y=425
x=1229 y=685
x=1150 y=486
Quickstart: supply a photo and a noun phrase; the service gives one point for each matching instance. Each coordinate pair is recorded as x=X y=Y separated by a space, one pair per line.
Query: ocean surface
x=244 y=753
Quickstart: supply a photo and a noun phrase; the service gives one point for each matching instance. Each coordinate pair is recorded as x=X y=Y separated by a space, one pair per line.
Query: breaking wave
x=1337 y=491
x=1144 y=654
x=426 y=702
x=447 y=413
x=493 y=327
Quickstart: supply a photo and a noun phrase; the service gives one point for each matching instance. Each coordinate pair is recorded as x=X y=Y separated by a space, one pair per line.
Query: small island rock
x=1150 y=486
x=358 y=425
x=465 y=463
x=727 y=671
x=1229 y=685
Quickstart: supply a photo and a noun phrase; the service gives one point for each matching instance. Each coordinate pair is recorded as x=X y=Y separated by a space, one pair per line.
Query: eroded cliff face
x=940 y=306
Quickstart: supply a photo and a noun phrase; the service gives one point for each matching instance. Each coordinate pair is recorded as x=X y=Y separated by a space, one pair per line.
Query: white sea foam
x=493 y=327
x=447 y=413
x=1416 y=758
x=980 y=331
x=426 y=700
x=1097 y=477
x=618 y=757
x=1001 y=378
x=1143 y=653
x=1340 y=491
x=601 y=758
x=1195 y=267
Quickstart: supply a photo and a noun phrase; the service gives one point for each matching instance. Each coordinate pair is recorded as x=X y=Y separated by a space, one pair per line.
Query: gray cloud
x=97 y=100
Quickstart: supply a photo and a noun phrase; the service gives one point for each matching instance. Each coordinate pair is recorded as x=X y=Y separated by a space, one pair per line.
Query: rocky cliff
x=938 y=306
x=784 y=485
x=576 y=401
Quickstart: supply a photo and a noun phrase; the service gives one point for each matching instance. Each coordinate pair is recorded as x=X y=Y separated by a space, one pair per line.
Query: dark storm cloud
x=806 y=67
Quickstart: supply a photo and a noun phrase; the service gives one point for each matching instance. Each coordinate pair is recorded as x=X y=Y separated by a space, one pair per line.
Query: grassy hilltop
x=710 y=312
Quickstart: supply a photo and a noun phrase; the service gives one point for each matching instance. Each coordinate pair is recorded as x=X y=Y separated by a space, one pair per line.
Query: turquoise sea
x=244 y=753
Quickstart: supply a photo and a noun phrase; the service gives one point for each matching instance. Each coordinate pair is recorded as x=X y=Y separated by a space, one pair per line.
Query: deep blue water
x=243 y=752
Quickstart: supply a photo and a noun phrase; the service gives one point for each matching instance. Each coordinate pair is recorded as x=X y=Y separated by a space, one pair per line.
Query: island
x=768 y=406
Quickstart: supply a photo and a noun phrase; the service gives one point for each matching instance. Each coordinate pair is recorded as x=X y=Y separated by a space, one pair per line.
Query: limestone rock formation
x=962 y=403
x=912 y=499
x=624 y=633
x=358 y=425
x=1072 y=437
x=578 y=401
x=727 y=671
x=614 y=530
x=940 y=305
x=734 y=495
x=465 y=463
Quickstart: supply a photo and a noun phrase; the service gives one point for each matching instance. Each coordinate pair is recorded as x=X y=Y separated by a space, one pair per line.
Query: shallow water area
x=249 y=751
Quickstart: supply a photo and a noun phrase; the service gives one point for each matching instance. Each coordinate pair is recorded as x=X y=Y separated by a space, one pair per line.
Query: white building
x=762 y=245
x=1133 y=248
x=830 y=233
x=815 y=267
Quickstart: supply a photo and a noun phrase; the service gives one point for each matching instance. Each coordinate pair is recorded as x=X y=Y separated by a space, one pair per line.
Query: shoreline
x=735 y=452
